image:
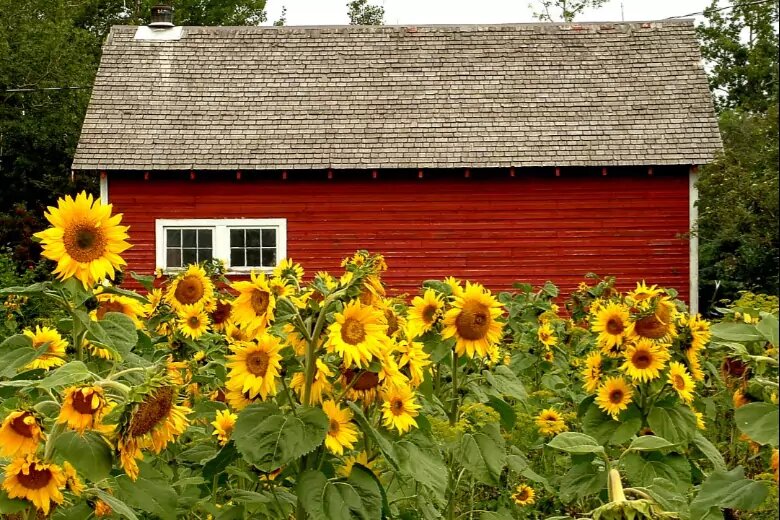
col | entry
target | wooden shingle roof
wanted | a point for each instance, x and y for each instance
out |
(255, 98)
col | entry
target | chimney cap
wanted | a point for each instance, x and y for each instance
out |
(162, 16)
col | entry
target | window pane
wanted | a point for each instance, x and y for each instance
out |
(236, 238)
(174, 238)
(173, 258)
(190, 256)
(188, 237)
(269, 257)
(237, 257)
(204, 238)
(269, 237)
(253, 238)
(204, 254)
(253, 257)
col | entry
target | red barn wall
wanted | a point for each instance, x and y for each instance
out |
(494, 229)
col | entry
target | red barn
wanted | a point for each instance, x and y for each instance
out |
(493, 153)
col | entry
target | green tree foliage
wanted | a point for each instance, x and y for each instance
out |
(363, 13)
(563, 10)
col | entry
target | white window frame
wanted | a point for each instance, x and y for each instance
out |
(220, 239)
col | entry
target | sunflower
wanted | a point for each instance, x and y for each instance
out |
(234, 333)
(341, 432)
(394, 323)
(320, 386)
(611, 322)
(253, 309)
(150, 424)
(373, 290)
(550, 422)
(349, 462)
(237, 399)
(223, 425)
(192, 287)
(681, 381)
(694, 365)
(130, 307)
(153, 300)
(255, 366)
(700, 332)
(415, 359)
(365, 389)
(740, 399)
(658, 325)
(592, 371)
(472, 321)
(456, 289)
(546, 335)
(102, 509)
(83, 408)
(281, 287)
(20, 434)
(220, 316)
(523, 495)
(54, 356)
(699, 420)
(389, 374)
(356, 334)
(424, 313)
(102, 353)
(614, 396)
(31, 479)
(289, 269)
(643, 292)
(86, 240)
(72, 480)
(645, 360)
(193, 321)
(295, 339)
(399, 409)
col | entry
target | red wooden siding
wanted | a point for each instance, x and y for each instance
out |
(492, 230)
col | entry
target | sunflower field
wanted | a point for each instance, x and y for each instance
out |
(321, 397)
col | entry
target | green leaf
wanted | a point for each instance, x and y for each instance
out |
(424, 466)
(507, 413)
(768, 328)
(357, 497)
(89, 454)
(641, 470)
(505, 382)
(10, 505)
(17, 352)
(649, 443)
(151, 492)
(117, 505)
(606, 430)
(79, 511)
(35, 288)
(217, 464)
(483, 454)
(120, 331)
(494, 515)
(676, 424)
(667, 494)
(728, 489)
(735, 332)
(269, 438)
(573, 442)
(67, 374)
(384, 445)
(583, 479)
(709, 451)
(759, 421)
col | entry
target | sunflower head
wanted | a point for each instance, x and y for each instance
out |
(20, 434)
(524, 495)
(656, 321)
(192, 287)
(342, 434)
(550, 422)
(289, 270)
(399, 408)
(30, 479)
(610, 321)
(54, 355)
(254, 366)
(220, 316)
(255, 305)
(83, 408)
(591, 374)
(425, 312)
(356, 334)
(614, 396)
(644, 360)
(223, 425)
(473, 321)
(193, 321)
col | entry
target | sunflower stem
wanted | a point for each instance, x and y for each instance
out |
(55, 432)
(455, 390)
(127, 371)
(123, 389)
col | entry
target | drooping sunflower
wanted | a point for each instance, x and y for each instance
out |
(223, 425)
(548, 356)
(220, 316)
(234, 333)
(254, 307)
(255, 365)
(591, 374)
(393, 322)
(130, 307)
(614, 396)
(289, 269)
(341, 432)
(681, 381)
(546, 335)
(29, 478)
(657, 323)
(20, 434)
(550, 422)
(399, 409)
(524, 495)
(415, 360)
(85, 240)
(150, 423)
(356, 335)
(320, 386)
(389, 374)
(192, 287)
(83, 408)
(54, 355)
(365, 389)
(611, 322)
(424, 313)
(644, 360)
(193, 321)
(473, 321)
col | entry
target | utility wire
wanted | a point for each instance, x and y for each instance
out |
(732, 6)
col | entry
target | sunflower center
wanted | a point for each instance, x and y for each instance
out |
(22, 428)
(35, 478)
(615, 326)
(616, 396)
(222, 313)
(151, 411)
(642, 359)
(84, 243)
(108, 306)
(193, 322)
(259, 301)
(473, 322)
(352, 331)
(257, 363)
(334, 428)
(428, 313)
(679, 382)
(83, 403)
(522, 495)
(397, 406)
(189, 290)
(392, 322)
(366, 381)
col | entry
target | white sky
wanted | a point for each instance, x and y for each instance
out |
(404, 12)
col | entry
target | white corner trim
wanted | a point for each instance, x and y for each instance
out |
(103, 188)
(221, 233)
(693, 247)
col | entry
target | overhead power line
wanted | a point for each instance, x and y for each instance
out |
(732, 6)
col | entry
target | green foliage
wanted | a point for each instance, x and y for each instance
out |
(362, 13)
(564, 10)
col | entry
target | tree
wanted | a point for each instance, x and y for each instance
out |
(564, 10)
(363, 13)
(282, 20)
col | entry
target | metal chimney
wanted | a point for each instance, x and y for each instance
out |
(162, 17)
